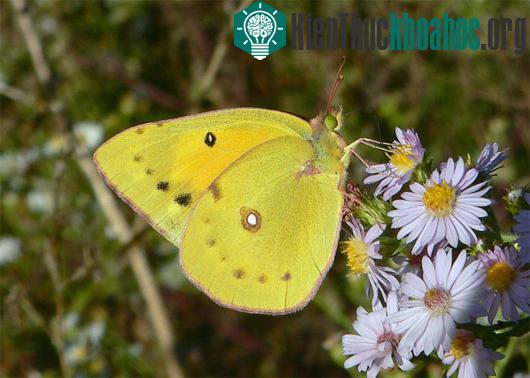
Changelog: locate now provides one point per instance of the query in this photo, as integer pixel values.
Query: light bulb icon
(259, 30)
(259, 27)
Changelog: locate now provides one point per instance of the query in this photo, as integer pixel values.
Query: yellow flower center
(461, 346)
(401, 159)
(500, 276)
(440, 199)
(357, 253)
(437, 301)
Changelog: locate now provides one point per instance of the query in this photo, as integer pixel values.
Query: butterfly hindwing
(161, 169)
(264, 235)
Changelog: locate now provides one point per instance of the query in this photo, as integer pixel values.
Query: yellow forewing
(161, 169)
(263, 236)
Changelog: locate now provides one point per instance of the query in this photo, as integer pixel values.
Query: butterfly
(251, 197)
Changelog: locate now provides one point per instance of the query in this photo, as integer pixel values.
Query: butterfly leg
(350, 149)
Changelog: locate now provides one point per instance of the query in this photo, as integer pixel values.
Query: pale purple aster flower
(490, 158)
(507, 283)
(361, 251)
(375, 346)
(469, 356)
(407, 152)
(447, 207)
(448, 293)
(522, 228)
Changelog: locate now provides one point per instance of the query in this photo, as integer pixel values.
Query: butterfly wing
(160, 169)
(264, 235)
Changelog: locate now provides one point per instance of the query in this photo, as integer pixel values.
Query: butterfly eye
(250, 219)
(330, 122)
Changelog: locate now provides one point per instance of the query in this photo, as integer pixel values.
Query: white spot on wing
(252, 220)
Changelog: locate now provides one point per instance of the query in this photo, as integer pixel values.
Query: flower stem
(508, 353)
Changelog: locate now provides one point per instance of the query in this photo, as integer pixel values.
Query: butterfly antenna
(338, 79)
(379, 137)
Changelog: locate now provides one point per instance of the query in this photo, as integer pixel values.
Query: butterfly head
(327, 122)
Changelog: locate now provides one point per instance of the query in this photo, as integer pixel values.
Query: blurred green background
(73, 292)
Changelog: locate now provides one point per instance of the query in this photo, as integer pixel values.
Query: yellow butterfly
(252, 198)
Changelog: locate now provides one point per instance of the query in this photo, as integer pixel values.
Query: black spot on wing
(183, 199)
(149, 171)
(137, 158)
(210, 139)
(286, 276)
(163, 186)
(216, 191)
(239, 273)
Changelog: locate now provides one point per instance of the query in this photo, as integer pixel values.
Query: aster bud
(372, 210)
(514, 201)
